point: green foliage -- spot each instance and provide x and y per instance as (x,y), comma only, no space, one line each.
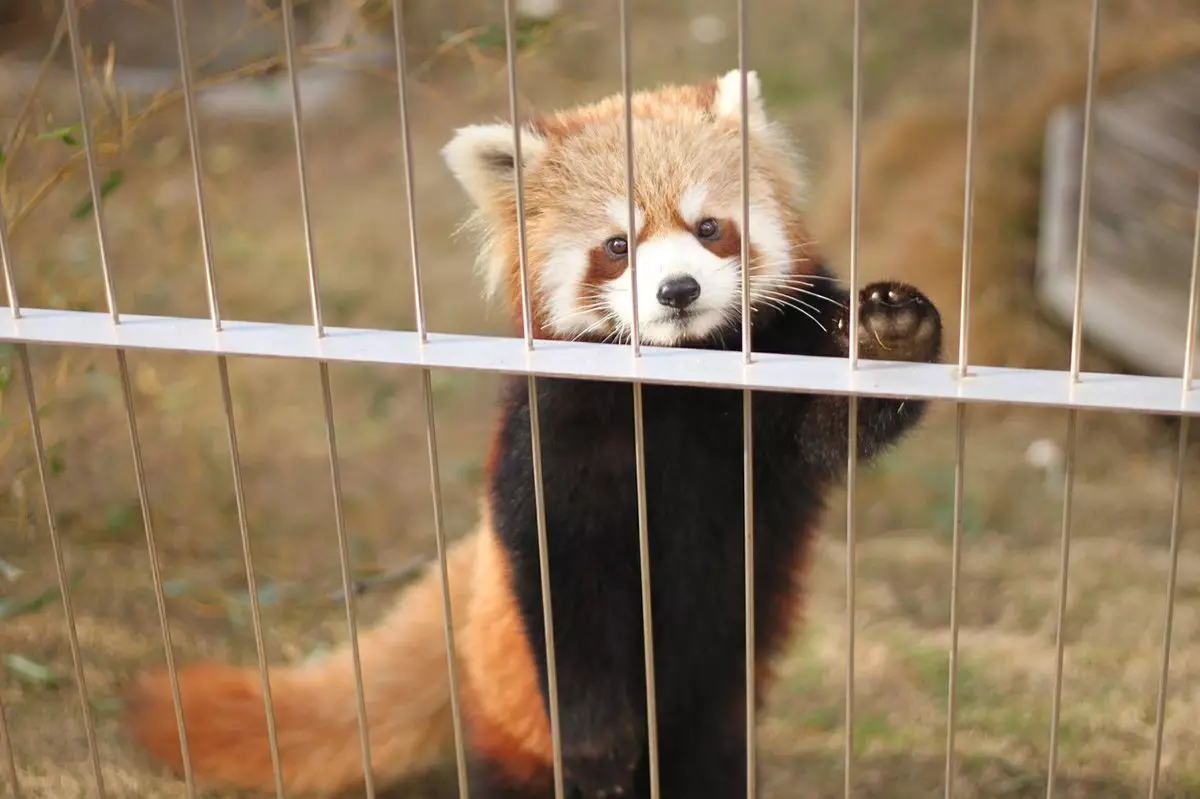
(111,182)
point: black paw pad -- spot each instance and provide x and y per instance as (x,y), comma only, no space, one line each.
(898,323)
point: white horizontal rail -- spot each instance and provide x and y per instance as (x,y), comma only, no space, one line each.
(1094,391)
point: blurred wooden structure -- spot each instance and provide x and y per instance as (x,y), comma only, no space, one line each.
(1145,172)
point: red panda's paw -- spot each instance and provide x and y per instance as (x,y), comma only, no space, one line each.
(603,770)
(896,322)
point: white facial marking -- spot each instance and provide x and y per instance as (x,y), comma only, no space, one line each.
(559,280)
(691,203)
(675,255)
(618,212)
(769,237)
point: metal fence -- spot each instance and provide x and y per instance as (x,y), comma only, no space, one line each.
(960,382)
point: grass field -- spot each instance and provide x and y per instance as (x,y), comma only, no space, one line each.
(914,71)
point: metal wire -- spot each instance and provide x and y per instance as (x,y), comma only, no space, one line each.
(959,408)
(747,412)
(409,184)
(1189,353)
(1063,571)
(639,443)
(547,610)
(339,518)
(439,530)
(1160,713)
(435,476)
(955,571)
(72,15)
(314,283)
(160,600)
(189,109)
(627,95)
(1177,507)
(852,409)
(6,264)
(968,200)
(239,494)
(226,396)
(1085,193)
(127,398)
(510,38)
(64,585)
(855,179)
(639,424)
(9,757)
(748,535)
(289,34)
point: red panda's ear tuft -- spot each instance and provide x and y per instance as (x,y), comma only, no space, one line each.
(727,100)
(482,159)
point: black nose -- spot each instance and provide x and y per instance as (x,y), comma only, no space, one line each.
(678,292)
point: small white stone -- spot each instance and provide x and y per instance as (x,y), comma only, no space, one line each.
(707,29)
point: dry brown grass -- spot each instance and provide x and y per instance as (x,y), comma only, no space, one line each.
(911,228)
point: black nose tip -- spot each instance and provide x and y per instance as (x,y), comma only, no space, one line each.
(678,292)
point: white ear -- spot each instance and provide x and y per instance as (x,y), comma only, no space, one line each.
(728,101)
(481,158)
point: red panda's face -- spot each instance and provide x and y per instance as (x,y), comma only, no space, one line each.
(687,232)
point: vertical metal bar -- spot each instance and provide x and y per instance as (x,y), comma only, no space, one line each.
(510,34)
(335,476)
(955,570)
(547,609)
(239,494)
(6,264)
(639,441)
(9,757)
(852,410)
(1189,359)
(189,108)
(639,425)
(1160,713)
(627,94)
(743,22)
(969,199)
(314,283)
(235,460)
(439,531)
(1189,352)
(747,413)
(127,398)
(409,184)
(851,592)
(1085,193)
(289,34)
(139,471)
(72,15)
(1063,572)
(960,409)
(39,451)
(855,178)
(435,476)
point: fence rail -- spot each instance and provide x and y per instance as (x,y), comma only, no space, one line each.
(960,383)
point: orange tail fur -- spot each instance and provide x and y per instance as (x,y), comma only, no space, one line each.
(406,687)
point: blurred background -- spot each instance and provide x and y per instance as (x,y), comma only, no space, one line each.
(1033,58)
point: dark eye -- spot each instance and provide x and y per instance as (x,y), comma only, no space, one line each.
(617,247)
(708,229)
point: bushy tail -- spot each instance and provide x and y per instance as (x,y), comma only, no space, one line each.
(407,692)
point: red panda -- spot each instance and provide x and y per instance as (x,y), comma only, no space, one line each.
(688,233)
